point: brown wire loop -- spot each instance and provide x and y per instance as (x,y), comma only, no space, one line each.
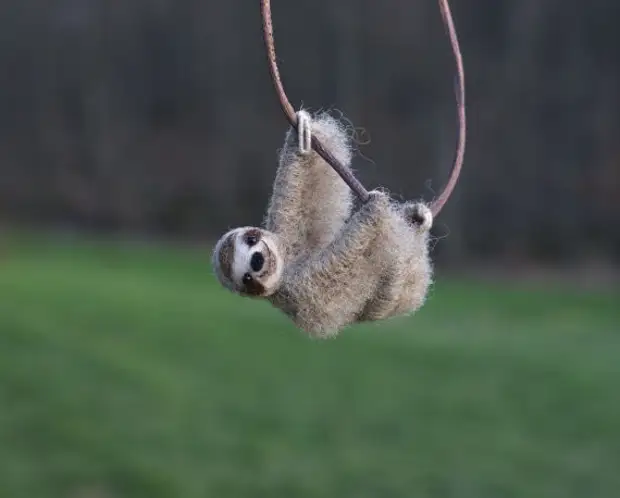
(438,204)
(289,111)
(346,174)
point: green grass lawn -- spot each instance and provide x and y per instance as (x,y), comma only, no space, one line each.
(127,372)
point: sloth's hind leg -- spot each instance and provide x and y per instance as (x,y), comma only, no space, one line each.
(418,214)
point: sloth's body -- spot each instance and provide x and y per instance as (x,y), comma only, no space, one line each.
(323,263)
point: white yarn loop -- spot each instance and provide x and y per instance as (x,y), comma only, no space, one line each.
(304,132)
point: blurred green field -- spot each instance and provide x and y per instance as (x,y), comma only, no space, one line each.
(126,372)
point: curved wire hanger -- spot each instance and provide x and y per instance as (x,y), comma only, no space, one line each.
(355,185)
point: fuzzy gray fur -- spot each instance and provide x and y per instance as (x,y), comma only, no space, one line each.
(337,267)
(310,202)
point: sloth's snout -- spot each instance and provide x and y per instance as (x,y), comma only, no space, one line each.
(257,261)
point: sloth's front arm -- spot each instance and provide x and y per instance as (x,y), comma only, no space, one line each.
(329,289)
(310,202)
(285,213)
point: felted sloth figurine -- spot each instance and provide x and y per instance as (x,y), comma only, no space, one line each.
(323,263)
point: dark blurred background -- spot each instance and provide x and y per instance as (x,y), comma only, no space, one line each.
(159,117)
(133,132)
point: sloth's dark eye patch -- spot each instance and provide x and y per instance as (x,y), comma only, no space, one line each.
(257,261)
(252,237)
(247,278)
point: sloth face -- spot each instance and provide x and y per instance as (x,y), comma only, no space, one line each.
(247,261)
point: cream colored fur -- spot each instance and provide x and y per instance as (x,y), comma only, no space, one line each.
(337,267)
(310,202)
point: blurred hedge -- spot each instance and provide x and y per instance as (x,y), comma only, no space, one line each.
(159,117)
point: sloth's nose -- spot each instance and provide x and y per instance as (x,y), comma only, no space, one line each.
(257,261)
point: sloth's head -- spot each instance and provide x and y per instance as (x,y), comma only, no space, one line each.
(247,261)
